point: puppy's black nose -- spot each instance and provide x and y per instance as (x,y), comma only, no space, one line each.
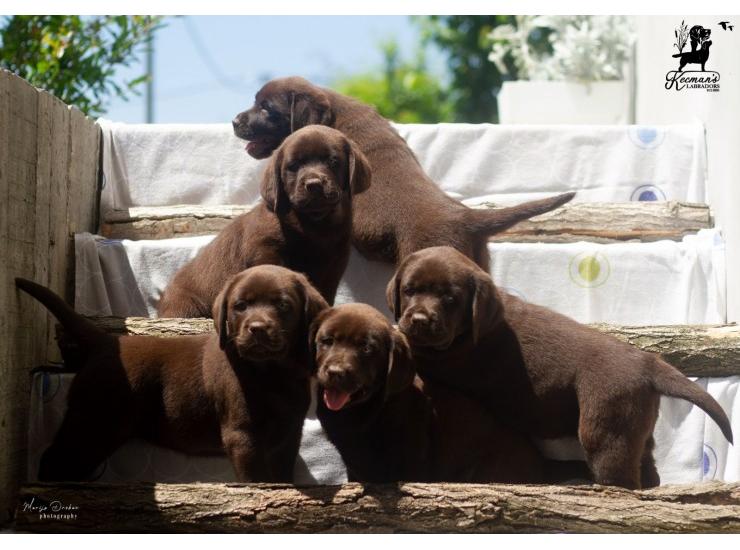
(419,319)
(336,373)
(314,186)
(258,328)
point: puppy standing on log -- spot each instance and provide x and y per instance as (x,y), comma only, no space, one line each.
(404,211)
(541,371)
(244,390)
(389,426)
(304,224)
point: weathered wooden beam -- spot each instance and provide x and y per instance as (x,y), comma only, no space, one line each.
(164,222)
(599,222)
(696,350)
(612,222)
(391,508)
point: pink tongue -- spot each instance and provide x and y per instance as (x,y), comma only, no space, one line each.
(250,146)
(335,399)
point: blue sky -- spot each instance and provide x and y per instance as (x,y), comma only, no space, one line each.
(207,68)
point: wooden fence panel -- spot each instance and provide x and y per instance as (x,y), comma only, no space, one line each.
(48,189)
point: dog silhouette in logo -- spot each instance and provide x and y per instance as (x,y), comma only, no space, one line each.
(698,35)
(699,57)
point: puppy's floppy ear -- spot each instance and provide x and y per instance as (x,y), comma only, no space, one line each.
(487,309)
(221,312)
(401,370)
(393,290)
(358,168)
(272,187)
(310,108)
(313,302)
(393,295)
(312,330)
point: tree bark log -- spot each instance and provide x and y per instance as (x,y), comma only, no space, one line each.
(695,350)
(701,350)
(612,222)
(631,221)
(392,508)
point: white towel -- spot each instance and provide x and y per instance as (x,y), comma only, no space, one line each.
(167,164)
(663,282)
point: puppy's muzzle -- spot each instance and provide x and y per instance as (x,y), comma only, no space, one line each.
(422,328)
(316,188)
(340,385)
(259,340)
(317,198)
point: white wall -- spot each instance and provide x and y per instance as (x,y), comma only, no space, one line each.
(719,111)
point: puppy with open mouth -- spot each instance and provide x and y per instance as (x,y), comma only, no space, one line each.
(389,425)
(404,210)
(540,372)
(304,223)
(243,390)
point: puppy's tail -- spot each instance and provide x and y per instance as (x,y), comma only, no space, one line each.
(75,325)
(669,381)
(489,222)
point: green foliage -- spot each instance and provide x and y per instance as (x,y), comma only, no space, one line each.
(404,91)
(75,57)
(475,81)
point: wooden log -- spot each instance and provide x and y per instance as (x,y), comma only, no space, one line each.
(599,222)
(696,350)
(154,327)
(612,222)
(391,508)
(168,221)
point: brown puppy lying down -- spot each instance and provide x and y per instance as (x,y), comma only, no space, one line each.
(404,211)
(304,224)
(244,390)
(388,425)
(541,371)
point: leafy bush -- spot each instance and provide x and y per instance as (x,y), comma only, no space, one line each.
(75,57)
(403,91)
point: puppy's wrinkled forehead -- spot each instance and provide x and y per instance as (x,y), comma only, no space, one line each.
(314,142)
(280,90)
(264,283)
(436,271)
(355,323)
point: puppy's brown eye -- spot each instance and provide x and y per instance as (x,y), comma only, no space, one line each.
(239,305)
(368,349)
(448,298)
(326,341)
(293,166)
(408,291)
(283,305)
(332,161)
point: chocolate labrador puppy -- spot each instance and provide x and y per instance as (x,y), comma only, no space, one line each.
(389,426)
(243,390)
(303,224)
(544,373)
(404,211)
